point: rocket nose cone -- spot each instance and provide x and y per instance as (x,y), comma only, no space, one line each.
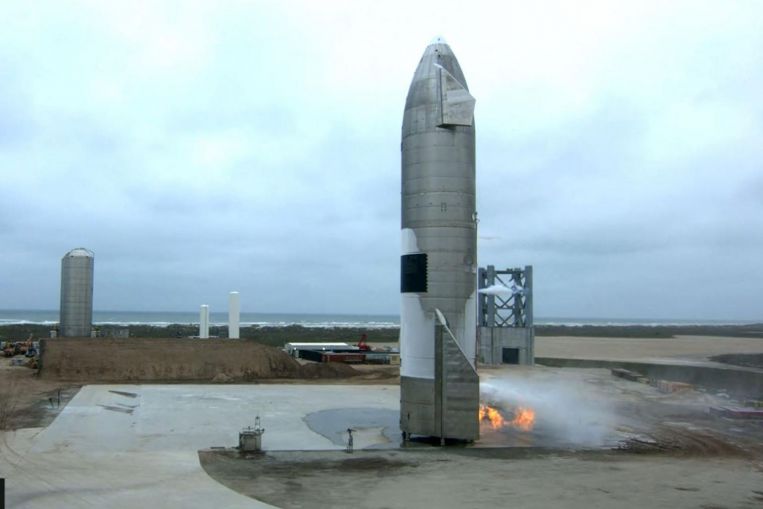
(438,54)
(438,47)
(435,52)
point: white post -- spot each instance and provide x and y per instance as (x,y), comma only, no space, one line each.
(204,322)
(234,309)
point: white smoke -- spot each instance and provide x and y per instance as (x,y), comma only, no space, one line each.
(501,290)
(568,410)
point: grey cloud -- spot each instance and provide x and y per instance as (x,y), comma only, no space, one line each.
(258,152)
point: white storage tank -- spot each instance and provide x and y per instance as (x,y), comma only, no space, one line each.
(77,293)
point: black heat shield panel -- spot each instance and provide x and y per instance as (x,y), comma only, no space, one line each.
(413,273)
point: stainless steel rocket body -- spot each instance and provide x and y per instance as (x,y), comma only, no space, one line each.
(439,233)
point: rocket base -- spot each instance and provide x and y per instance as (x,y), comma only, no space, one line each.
(448,405)
(417,406)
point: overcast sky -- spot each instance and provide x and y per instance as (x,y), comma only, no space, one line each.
(199,148)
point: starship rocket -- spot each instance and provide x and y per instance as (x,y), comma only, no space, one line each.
(439,386)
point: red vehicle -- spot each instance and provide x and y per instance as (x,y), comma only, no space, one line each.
(362,345)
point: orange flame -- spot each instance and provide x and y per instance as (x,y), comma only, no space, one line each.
(488,413)
(524,418)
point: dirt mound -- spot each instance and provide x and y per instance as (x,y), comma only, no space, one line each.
(222,378)
(160,360)
(327,370)
(136,360)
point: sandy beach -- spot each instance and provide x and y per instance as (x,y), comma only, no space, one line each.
(681,348)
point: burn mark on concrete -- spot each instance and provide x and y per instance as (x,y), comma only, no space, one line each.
(117,409)
(125,394)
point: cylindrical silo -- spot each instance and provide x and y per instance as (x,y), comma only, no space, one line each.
(77,293)
(204,321)
(234,313)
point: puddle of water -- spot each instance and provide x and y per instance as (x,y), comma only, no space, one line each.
(373,428)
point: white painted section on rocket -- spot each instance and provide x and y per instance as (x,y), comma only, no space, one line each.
(469,343)
(408,243)
(416,338)
(416,329)
(234,309)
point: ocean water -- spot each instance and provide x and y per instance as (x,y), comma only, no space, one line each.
(165,318)
(371,321)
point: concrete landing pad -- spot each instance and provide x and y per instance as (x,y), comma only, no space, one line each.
(125,446)
(136,418)
(138,446)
